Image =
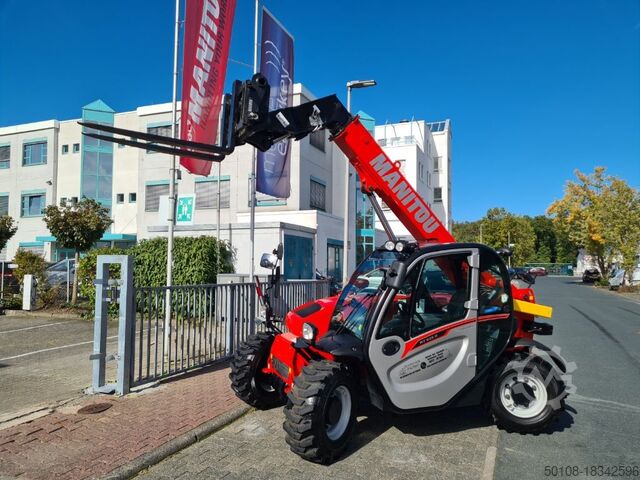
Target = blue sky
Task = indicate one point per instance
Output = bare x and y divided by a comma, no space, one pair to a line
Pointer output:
534,89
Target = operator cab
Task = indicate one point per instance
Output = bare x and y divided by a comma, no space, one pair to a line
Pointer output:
440,317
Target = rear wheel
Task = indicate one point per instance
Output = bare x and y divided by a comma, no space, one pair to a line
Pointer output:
321,412
527,396
248,381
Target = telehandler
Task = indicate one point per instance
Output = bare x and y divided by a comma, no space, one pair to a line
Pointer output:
444,327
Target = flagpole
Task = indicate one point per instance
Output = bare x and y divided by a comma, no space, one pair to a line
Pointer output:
252,221
172,181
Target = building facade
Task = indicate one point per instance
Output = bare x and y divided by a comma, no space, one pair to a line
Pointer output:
424,152
51,162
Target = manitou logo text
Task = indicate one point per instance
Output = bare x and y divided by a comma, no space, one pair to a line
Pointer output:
199,97
405,194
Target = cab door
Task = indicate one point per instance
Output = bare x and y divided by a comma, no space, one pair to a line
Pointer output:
423,346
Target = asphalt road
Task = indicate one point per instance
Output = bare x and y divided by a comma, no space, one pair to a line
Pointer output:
600,332
43,361
597,330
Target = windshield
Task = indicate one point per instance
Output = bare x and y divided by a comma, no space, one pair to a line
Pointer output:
361,292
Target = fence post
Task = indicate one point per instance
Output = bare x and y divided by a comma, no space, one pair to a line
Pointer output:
231,320
100,327
126,326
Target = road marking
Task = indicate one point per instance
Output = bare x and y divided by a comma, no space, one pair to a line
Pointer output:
489,463
52,349
602,402
31,328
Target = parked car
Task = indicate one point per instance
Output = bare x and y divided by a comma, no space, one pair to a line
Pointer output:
591,275
61,272
538,271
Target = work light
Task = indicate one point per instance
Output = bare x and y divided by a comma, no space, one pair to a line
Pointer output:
309,332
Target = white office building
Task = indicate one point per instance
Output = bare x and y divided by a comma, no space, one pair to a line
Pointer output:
50,162
424,152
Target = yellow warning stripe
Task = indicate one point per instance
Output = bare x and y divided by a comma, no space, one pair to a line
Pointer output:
532,308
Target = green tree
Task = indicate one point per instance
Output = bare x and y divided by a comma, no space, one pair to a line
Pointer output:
468,231
78,227
7,230
501,228
600,213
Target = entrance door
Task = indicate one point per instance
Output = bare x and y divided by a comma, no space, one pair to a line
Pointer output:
423,346
298,257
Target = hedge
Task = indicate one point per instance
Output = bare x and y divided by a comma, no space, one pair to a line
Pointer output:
194,261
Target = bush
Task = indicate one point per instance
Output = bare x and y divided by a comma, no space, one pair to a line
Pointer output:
13,302
53,296
29,263
87,273
194,261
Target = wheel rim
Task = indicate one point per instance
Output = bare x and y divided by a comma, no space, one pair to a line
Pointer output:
338,412
523,395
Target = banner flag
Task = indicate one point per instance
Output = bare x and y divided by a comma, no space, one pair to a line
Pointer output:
276,63
207,36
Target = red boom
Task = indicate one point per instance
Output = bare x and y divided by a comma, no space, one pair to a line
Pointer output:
382,176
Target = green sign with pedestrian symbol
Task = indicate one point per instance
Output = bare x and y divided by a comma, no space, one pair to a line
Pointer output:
184,209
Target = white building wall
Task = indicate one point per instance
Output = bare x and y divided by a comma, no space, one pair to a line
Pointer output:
20,179
413,143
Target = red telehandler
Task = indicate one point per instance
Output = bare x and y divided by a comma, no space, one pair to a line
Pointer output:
446,326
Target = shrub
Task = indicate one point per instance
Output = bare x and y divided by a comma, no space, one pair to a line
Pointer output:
29,263
194,261
87,273
53,296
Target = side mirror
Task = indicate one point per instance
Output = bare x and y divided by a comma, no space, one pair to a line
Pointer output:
395,275
268,260
278,251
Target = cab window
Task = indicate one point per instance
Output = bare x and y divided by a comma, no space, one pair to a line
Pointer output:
434,294
494,326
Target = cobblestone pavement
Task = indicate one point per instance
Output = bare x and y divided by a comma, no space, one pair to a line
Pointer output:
68,445
446,445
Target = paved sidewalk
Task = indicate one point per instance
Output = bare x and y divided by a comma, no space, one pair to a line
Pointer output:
457,444
70,445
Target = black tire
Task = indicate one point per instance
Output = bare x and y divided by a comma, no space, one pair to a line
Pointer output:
526,372
250,384
316,399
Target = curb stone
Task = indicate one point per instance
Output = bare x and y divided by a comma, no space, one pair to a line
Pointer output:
175,445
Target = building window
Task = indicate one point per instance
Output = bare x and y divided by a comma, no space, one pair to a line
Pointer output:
152,196
33,204
316,139
133,197
382,142
437,194
334,261
317,195
34,153
5,154
436,164
76,147
120,198
65,149
162,130
4,205
207,194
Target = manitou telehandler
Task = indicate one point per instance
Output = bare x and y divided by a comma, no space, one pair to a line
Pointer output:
421,325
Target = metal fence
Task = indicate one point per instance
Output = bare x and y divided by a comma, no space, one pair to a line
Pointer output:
182,327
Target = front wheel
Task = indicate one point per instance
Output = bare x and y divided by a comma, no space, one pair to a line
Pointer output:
321,412
527,396
258,389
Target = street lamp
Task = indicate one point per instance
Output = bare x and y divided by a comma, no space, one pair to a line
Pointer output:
345,265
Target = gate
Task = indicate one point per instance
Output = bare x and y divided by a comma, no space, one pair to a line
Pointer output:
168,330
